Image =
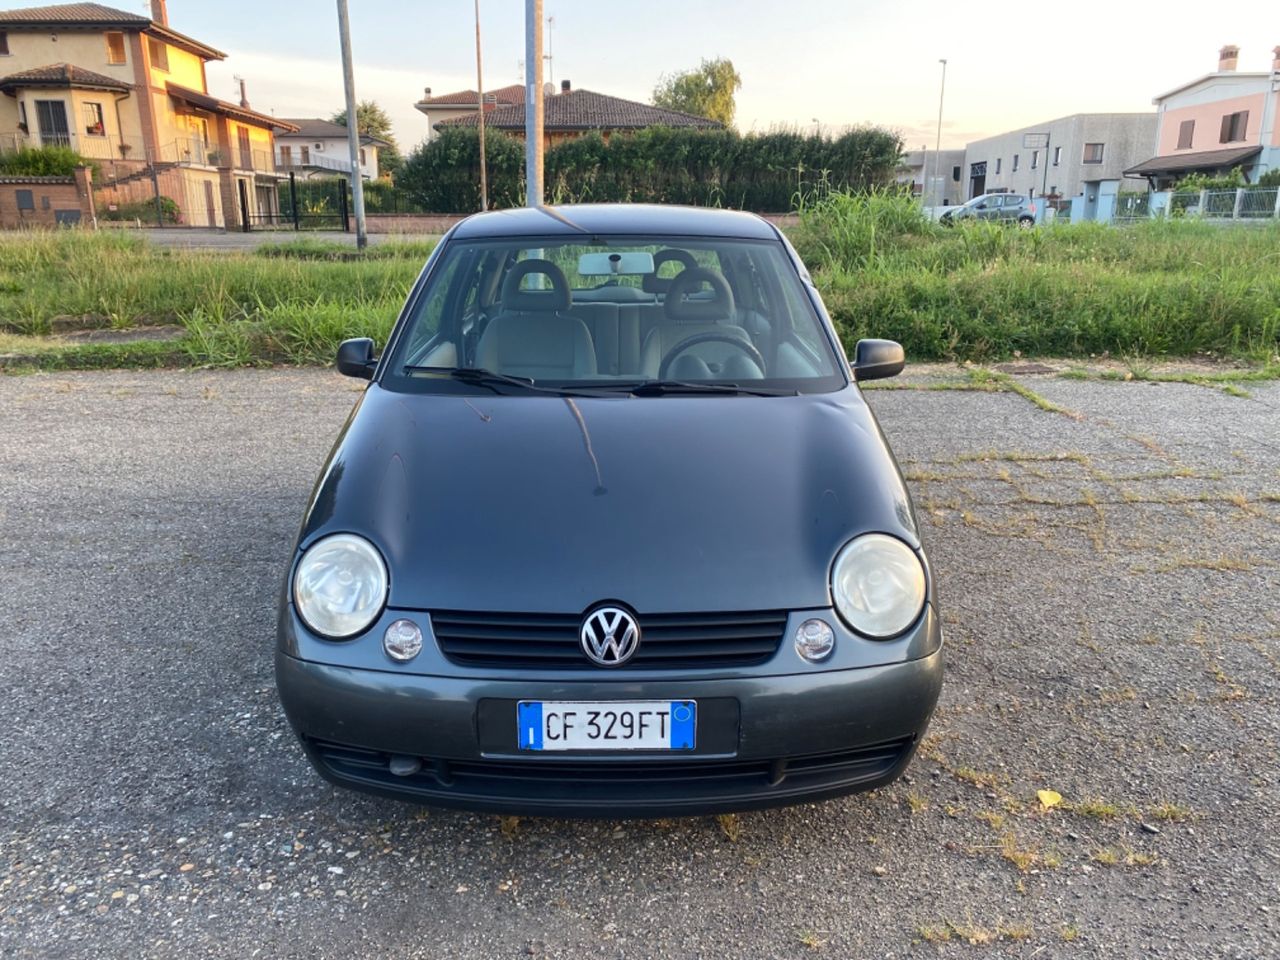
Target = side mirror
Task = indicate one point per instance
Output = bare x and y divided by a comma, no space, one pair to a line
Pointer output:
877,359
356,359
981,206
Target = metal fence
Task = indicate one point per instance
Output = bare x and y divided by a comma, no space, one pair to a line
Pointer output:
1244,203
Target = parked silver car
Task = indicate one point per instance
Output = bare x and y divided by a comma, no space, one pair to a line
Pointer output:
1007,207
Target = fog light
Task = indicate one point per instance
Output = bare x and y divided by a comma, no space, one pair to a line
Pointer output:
815,640
402,641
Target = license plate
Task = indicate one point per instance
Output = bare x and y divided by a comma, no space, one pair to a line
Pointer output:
606,724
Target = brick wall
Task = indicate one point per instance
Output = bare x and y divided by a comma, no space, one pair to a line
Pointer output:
46,201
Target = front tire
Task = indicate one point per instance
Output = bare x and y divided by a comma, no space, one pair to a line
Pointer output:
1026,223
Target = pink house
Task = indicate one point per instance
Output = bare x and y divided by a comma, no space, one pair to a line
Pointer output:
1223,120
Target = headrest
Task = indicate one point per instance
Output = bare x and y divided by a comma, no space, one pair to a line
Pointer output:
719,307
652,283
516,300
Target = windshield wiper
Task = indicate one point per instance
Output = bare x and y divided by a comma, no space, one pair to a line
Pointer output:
663,388
495,381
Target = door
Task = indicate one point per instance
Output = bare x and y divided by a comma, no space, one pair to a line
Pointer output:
210,205
51,115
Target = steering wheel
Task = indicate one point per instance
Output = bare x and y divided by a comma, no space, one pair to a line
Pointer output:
745,346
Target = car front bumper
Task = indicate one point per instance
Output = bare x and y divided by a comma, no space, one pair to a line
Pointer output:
799,737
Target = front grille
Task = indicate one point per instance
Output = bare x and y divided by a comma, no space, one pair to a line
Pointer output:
602,778
550,641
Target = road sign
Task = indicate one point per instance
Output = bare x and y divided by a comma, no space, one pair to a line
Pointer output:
1035,141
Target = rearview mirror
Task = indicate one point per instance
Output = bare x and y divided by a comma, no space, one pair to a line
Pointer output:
632,263
877,359
356,359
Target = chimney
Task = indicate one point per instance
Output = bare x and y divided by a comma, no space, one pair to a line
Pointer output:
159,13
565,86
244,97
426,93
1228,57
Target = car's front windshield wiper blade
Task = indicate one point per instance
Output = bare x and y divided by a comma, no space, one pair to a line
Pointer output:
493,380
662,388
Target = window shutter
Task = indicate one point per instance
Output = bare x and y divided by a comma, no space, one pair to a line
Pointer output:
1225,136
1242,130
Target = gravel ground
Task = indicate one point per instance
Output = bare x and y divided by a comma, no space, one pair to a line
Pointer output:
1109,575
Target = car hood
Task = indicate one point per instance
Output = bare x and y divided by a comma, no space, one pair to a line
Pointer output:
668,504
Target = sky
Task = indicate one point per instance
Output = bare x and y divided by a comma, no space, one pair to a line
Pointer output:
1011,63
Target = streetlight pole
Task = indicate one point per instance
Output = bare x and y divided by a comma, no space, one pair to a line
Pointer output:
484,175
533,102
353,125
937,146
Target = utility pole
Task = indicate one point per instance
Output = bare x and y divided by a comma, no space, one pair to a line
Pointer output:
533,102
484,175
937,147
353,125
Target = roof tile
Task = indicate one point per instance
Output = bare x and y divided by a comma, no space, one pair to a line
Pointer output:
62,75
586,110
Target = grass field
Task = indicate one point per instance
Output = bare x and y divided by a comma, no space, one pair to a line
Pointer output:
980,292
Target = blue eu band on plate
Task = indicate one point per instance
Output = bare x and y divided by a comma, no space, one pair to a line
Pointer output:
606,725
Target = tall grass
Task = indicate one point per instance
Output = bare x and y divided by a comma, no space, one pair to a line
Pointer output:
985,291
292,306
976,291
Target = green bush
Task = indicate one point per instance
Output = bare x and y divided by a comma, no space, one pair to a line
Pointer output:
44,162
763,172
144,210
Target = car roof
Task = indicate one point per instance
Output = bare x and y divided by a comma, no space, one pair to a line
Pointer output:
635,219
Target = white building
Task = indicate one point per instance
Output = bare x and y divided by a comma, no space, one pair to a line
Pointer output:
1085,153
319,149
937,178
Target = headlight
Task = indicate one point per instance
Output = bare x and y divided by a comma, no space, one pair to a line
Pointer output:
878,585
340,585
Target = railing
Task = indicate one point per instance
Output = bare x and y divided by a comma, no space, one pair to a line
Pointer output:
1244,203
258,161
315,162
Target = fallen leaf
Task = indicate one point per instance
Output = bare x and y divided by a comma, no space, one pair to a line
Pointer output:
1048,798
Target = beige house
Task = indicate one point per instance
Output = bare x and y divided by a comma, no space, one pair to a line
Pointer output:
130,93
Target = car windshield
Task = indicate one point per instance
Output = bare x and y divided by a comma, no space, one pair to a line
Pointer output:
627,315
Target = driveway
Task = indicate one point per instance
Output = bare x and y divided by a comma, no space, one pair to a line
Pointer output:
1109,575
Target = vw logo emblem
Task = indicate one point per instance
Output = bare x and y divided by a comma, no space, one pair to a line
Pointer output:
609,636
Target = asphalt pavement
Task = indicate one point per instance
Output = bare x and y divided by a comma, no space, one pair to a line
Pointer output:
1109,580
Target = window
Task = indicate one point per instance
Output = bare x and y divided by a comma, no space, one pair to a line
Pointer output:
1093,153
1035,159
999,162
955,174
286,156
306,154
115,48
159,54
1057,156
1015,163
1235,126
4,44
363,161
1186,132
26,199
441,328
93,122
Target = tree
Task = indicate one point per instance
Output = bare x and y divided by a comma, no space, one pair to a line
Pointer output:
372,121
705,92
